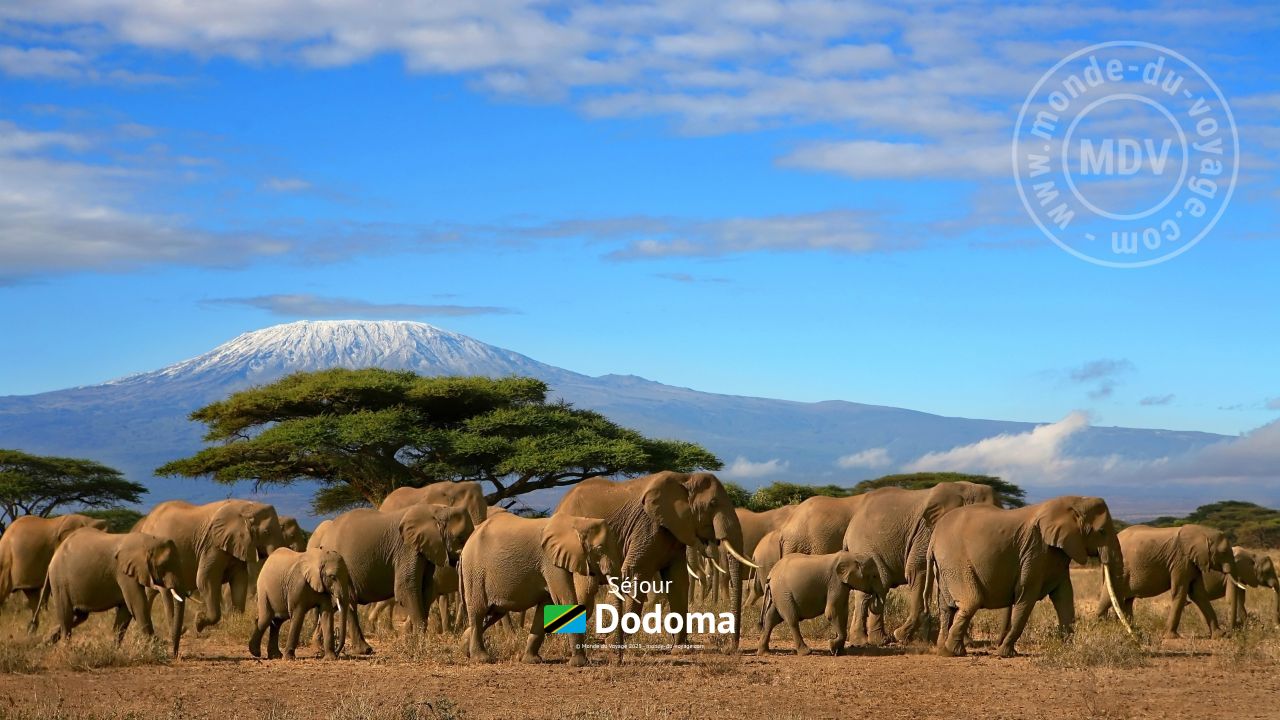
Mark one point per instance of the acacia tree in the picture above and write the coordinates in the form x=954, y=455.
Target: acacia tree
x=1008, y=494
x=39, y=485
x=363, y=433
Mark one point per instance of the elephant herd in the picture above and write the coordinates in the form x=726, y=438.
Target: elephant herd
x=955, y=544
x=951, y=546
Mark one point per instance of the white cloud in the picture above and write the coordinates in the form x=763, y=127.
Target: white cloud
x=316, y=306
x=875, y=159
x=1034, y=457
x=746, y=469
x=286, y=185
x=872, y=458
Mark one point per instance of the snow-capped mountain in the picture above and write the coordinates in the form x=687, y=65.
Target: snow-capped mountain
x=139, y=422
x=265, y=355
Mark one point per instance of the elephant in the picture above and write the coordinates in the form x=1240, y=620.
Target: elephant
x=513, y=563
x=93, y=571
x=394, y=555
x=295, y=538
x=755, y=526
x=1191, y=561
x=893, y=526
x=467, y=495
x=806, y=586
x=1252, y=570
x=984, y=557
x=217, y=543
x=28, y=545
x=290, y=584
x=655, y=517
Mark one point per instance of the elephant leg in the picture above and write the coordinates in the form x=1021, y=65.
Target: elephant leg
x=858, y=623
x=537, y=634
x=477, y=614
x=273, y=640
x=1004, y=619
x=331, y=649
x=1017, y=623
x=1063, y=598
x=678, y=596
x=121, y=623
x=1200, y=597
x=951, y=642
x=260, y=629
x=770, y=619
x=135, y=602
x=239, y=582
x=837, y=613
x=359, y=646
x=915, y=610
x=792, y=619
x=1177, y=600
x=1235, y=606
x=946, y=615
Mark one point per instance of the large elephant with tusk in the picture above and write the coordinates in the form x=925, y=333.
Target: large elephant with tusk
x=987, y=558
x=655, y=518
x=218, y=543
x=94, y=571
x=1192, y=561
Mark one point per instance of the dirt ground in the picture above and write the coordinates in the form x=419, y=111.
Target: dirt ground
x=1101, y=674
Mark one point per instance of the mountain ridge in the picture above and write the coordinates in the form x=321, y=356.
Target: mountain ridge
x=138, y=422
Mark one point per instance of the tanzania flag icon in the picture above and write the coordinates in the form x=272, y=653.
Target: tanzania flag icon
x=564, y=618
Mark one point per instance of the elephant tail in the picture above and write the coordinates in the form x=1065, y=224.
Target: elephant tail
x=768, y=602
x=44, y=597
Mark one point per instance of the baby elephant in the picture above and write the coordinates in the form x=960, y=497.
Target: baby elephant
x=806, y=586
x=290, y=584
x=93, y=571
x=513, y=563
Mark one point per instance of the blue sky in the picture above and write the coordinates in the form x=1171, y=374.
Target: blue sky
x=805, y=201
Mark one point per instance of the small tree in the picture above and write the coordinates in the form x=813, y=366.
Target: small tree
x=118, y=519
x=1008, y=494
x=39, y=485
x=363, y=433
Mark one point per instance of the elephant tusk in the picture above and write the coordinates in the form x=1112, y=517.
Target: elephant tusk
x=729, y=548
x=716, y=565
x=1238, y=584
x=692, y=573
x=175, y=595
x=1115, y=601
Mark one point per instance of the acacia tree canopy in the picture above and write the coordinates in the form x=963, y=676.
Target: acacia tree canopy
x=1007, y=494
x=39, y=485
x=363, y=433
x=777, y=494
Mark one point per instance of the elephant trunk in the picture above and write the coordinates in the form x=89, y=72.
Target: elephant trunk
x=175, y=632
x=729, y=532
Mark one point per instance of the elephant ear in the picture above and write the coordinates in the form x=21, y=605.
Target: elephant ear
x=666, y=500
x=312, y=566
x=564, y=542
x=228, y=530
x=423, y=527
x=1198, y=548
x=942, y=499
x=133, y=558
x=1060, y=527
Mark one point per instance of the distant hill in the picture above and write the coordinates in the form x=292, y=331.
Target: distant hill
x=138, y=422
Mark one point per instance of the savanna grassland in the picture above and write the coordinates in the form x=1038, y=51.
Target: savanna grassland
x=1100, y=673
